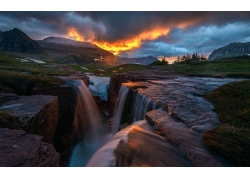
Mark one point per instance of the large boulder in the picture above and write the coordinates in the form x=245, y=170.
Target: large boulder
x=37, y=114
x=26, y=150
x=64, y=134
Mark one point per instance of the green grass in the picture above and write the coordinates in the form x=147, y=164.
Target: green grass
x=12, y=81
x=121, y=68
x=10, y=63
x=232, y=138
x=230, y=68
x=21, y=78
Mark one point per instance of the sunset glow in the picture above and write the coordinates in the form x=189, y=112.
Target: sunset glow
x=74, y=34
x=122, y=45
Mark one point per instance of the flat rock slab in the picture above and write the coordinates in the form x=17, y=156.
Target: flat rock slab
x=39, y=114
x=26, y=107
x=26, y=150
x=181, y=98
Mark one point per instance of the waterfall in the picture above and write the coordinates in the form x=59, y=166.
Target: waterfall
x=123, y=93
x=87, y=125
x=87, y=117
x=143, y=104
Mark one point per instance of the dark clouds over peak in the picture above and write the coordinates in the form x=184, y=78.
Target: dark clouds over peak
x=189, y=31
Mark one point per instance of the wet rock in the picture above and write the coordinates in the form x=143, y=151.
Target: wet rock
x=123, y=126
x=38, y=114
x=187, y=140
x=119, y=78
x=64, y=134
x=153, y=116
x=26, y=150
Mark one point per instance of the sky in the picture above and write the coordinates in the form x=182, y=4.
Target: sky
x=137, y=33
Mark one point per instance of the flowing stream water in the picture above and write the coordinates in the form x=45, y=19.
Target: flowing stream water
x=137, y=144
x=87, y=125
x=123, y=93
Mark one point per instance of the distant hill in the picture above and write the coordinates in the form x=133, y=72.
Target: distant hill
x=142, y=60
x=68, y=42
x=231, y=50
x=17, y=41
x=75, y=51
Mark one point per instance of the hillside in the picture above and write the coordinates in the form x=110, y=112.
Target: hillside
x=231, y=50
x=77, y=52
x=142, y=60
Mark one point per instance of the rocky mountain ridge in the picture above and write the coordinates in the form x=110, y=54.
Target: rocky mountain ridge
x=17, y=41
x=231, y=50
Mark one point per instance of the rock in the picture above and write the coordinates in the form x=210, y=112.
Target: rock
x=38, y=114
x=25, y=150
x=16, y=41
x=119, y=78
x=64, y=134
x=188, y=141
x=123, y=126
x=231, y=50
x=153, y=116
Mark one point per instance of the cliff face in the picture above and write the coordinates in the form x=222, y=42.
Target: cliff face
x=17, y=41
x=231, y=50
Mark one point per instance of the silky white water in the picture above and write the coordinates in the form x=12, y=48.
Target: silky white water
x=123, y=94
x=87, y=125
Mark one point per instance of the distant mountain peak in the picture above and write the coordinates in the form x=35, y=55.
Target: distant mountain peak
x=17, y=41
x=231, y=50
x=67, y=42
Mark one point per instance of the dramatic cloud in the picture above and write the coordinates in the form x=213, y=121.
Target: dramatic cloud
x=137, y=34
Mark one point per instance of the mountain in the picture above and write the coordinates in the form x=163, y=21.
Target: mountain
x=142, y=60
x=68, y=42
x=74, y=51
x=231, y=50
x=16, y=41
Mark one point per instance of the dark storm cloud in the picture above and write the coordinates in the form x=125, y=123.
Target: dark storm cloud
x=189, y=31
x=122, y=25
x=202, y=39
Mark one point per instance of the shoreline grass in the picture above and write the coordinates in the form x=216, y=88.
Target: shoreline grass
x=231, y=138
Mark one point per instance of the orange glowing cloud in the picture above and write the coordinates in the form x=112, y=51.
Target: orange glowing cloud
x=74, y=34
x=123, y=45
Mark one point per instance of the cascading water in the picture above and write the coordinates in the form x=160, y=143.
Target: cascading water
x=142, y=104
x=87, y=125
x=123, y=93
